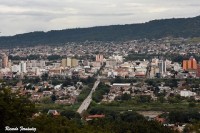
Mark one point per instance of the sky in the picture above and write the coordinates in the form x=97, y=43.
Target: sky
x=21, y=16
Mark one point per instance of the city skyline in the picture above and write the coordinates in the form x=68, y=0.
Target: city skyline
x=28, y=16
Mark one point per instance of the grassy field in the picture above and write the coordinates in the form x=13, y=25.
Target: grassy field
x=153, y=106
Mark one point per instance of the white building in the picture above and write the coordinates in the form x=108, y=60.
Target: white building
x=186, y=93
x=22, y=66
x=177, y=66
x=112, y=74
x=15, y=68
x=162, y=66
x=35, y=63
x=118, y=58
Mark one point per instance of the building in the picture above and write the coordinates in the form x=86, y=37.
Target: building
x=69, y=62
x=190, y=64
x=1, y=63
x=96, y=64
x=22, y=66
x=111, y=63
x=162, y=67
x=185, y=64
x=74, y=62
x=186, y=93
x=15, y=68
x=36, y=63
x=198, y=70
x=96, y=116
x=154, y=62
x=99, y=58
x=64, y=63
x=176, y=66
x=53, y=112
x=118, y=58
x=4, y=61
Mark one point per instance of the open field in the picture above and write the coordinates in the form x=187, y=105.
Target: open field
x=154, y=106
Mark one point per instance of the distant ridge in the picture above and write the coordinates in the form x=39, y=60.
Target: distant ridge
x=180, y=27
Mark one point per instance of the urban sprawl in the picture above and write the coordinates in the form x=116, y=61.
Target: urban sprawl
x=61, y=73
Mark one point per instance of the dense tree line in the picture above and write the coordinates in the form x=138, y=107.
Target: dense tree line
x=29, y=57
x=101, y=90
x=184, y=116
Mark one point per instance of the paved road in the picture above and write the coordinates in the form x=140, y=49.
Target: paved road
x=87, y=101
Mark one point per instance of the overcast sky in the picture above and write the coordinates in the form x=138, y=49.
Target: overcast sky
x=20, y=16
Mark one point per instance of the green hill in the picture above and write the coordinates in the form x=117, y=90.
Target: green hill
x=180, y=27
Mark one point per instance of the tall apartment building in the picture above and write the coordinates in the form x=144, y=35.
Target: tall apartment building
x=69, y=62
x=1, y=63
x=4, y=61
x=162, y=66
x=22, y=66
x=99, y=58
x=190, y=64
x=64, y=63
x=74, y=62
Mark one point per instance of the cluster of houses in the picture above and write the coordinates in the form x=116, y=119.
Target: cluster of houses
x=63, y=95
x=136, y=89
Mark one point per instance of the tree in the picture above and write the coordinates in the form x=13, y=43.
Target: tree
x=131, y=116
x=54, y=57
x=70, y=114
x=125, y=97
x=161, y=99
x=15, y=110
x=45, y=76
x=183, y=116
x=143, y=99
x=53, y=97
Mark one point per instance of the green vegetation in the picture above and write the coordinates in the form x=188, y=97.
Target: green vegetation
x=16, y=111
x=184, y=116
x=54, y=57
x=101, y=90
x=182, y=27
x=29, y=57
x=138, y=105
x=193, y=127
x=84, y=93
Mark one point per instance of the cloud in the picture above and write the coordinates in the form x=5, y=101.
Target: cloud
x=19, y=16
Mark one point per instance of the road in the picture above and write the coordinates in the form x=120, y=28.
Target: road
x=87, y=101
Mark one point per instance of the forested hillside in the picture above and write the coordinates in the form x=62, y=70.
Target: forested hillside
x=181, y=27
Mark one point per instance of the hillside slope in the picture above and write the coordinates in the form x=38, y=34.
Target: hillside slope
x=181, y=27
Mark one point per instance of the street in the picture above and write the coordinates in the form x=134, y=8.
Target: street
x=87, y=101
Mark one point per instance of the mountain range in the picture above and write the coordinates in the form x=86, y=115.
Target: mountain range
x=175, y=27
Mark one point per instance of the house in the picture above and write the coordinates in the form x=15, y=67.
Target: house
x=58, y=87
x=47, y=93
x=53, y=112
x=160, y=120
x=186, y=93
x=96, y=116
